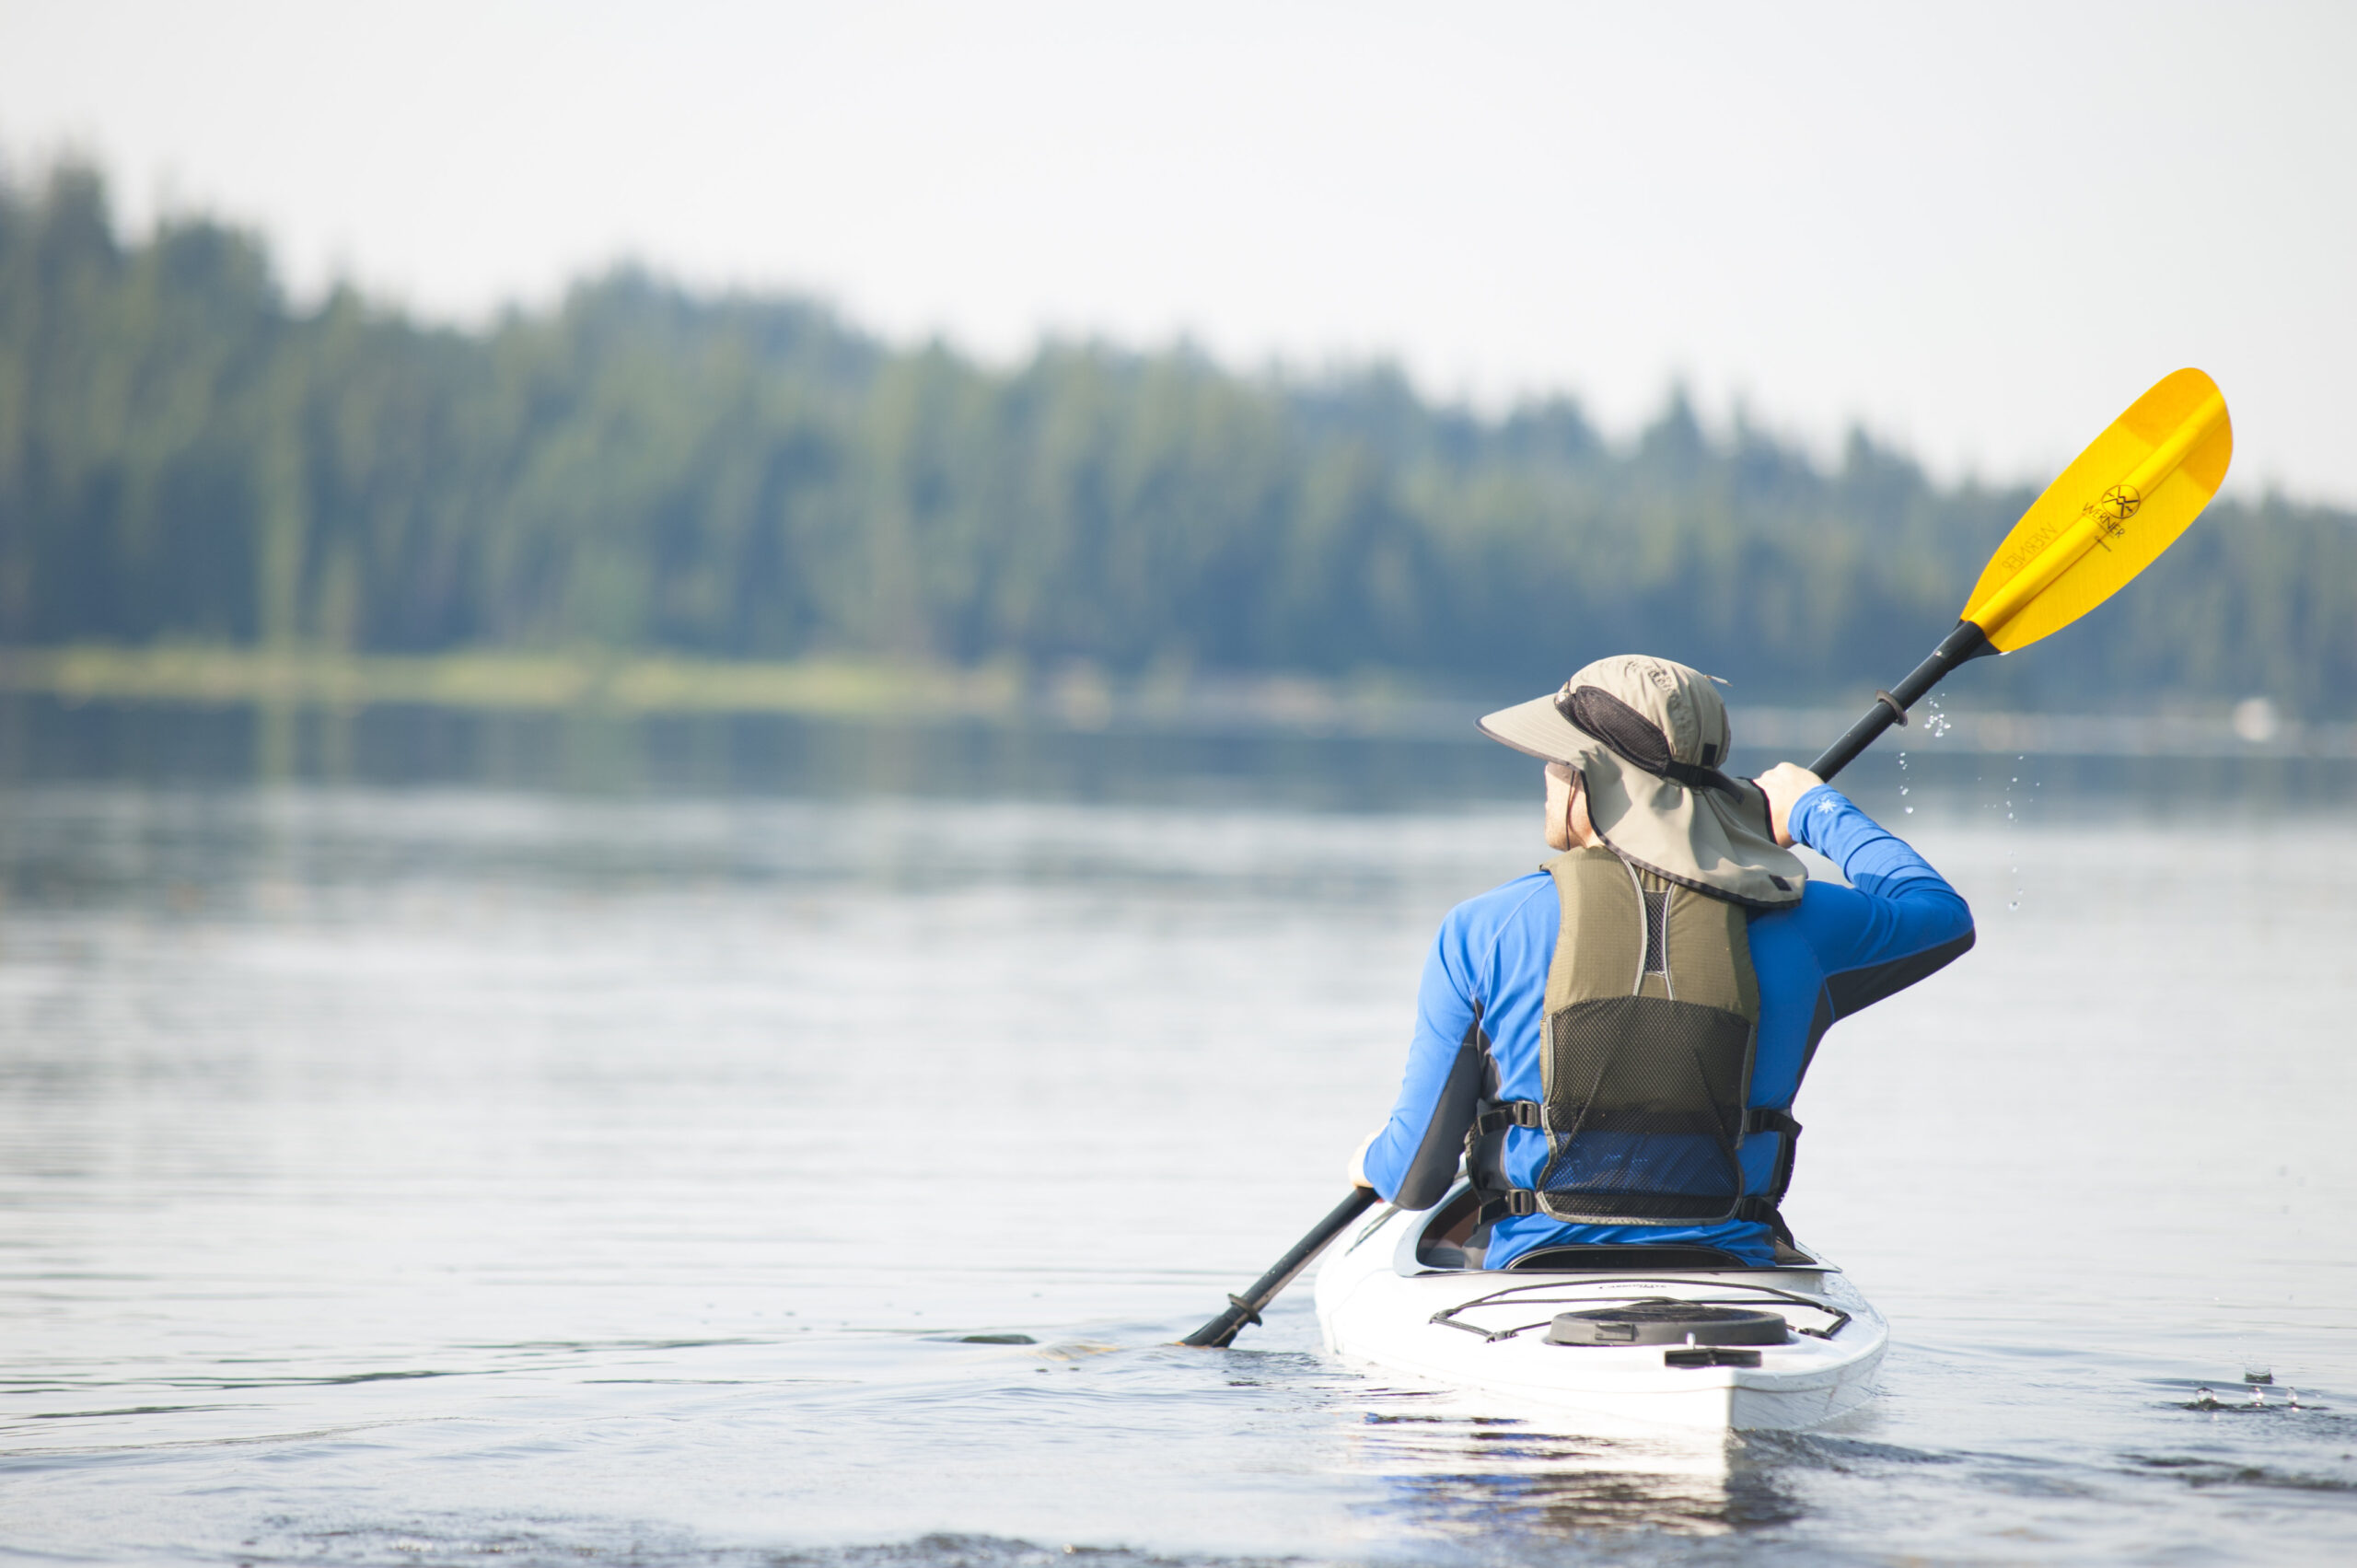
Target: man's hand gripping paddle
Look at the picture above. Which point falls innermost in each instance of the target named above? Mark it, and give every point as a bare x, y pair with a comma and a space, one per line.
2106, 517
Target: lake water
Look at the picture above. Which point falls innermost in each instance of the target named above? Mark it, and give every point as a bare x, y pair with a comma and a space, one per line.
554, 1147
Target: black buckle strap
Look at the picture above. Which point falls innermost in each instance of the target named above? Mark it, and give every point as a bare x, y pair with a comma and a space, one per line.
1513, 1203
1502, 1114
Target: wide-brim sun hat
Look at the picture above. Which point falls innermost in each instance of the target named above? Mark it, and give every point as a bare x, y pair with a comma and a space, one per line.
1647, 737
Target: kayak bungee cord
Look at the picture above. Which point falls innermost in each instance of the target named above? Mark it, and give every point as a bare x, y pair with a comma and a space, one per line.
1447, 1318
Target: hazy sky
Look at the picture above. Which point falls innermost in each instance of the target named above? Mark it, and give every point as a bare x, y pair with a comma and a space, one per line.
1980, 230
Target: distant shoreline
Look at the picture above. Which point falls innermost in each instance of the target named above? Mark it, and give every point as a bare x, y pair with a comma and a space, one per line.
626, 686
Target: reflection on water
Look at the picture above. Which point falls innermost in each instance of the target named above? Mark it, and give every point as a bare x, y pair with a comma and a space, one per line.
1471, 1479
441, 1170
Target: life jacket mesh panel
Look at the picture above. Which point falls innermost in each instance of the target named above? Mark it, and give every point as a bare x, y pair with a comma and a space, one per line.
1645, 1111
1657, 930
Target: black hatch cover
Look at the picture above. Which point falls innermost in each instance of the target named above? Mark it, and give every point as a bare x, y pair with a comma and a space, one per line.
1667, 1323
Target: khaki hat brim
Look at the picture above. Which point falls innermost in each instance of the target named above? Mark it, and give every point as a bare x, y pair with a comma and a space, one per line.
1538, 728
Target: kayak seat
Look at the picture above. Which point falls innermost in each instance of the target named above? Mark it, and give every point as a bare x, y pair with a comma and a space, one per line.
1622, 1259
1447, 1239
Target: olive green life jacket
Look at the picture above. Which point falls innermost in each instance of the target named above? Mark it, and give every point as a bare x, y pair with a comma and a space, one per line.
1652, 1018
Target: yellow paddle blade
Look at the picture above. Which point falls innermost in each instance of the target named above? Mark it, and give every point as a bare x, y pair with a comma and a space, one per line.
2110, 514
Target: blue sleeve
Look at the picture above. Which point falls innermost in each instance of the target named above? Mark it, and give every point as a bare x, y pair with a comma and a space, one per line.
1897, 922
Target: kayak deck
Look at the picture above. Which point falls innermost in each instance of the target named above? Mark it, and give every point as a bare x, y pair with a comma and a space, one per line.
1484, 1333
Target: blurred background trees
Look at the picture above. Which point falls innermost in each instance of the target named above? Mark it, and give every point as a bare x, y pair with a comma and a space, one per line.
186, 456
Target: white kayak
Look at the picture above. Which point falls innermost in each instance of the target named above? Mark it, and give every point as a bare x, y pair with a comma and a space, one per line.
1626, 1339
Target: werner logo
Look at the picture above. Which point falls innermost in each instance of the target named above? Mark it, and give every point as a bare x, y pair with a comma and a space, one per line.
2110, 511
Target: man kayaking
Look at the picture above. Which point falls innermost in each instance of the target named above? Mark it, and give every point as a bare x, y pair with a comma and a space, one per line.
1613, 1041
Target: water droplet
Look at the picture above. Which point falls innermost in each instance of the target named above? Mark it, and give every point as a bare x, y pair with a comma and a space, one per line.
2015, 905
2203, 1397
1910, 811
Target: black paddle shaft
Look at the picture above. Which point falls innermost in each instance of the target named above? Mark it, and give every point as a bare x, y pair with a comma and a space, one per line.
1246, 1308
1967, 641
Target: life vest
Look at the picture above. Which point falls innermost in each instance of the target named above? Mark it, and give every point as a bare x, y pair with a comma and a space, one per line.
1651, 1022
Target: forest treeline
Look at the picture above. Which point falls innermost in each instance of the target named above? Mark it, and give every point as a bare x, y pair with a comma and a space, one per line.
186, 456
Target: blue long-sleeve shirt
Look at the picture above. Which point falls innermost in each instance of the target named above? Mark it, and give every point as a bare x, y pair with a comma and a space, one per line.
1838, 950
